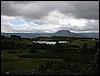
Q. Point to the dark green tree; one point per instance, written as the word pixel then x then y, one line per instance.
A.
pixel 96 45
pixel 15 37
pixel 84 48
pixel 33 49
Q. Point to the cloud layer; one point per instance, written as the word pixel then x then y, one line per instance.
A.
pixel 49 16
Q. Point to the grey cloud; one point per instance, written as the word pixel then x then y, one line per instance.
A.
pixel 90 26
pixel 89 10
pixel 38 9
pixel 82 9
pixel 38 12
pixel 33 10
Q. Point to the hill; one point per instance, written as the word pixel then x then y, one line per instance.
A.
pixel 58 33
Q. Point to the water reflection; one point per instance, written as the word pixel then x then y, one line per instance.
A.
pixel 49 42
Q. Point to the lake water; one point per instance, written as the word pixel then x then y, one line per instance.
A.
pixel 49 42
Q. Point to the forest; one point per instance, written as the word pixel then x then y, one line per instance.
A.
pixel 20 56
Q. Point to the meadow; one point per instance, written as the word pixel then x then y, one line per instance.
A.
pixel 79 57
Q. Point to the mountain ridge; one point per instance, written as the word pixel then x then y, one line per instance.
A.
pixel 58 33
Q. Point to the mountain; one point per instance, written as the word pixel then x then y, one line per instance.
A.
pixel 26 35
pixel 65 33
pixel 58 33
pixel 89 35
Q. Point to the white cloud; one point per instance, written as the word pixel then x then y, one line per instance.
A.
pixel 56 20
pixel 78 22
pixel 24 26
pixel 10 18
pixel 7 25
pixel 49 16
pixel 3 31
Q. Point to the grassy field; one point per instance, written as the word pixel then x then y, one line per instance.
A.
pixel 20 66
pixel 90 42
pixel 12 64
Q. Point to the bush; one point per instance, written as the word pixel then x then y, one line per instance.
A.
pixel 12 52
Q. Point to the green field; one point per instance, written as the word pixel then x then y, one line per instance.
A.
pixel 20 66
pixel 78 58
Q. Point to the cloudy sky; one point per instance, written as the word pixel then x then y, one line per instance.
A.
pixel 49 16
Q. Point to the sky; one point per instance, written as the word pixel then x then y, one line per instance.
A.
pixel 49 16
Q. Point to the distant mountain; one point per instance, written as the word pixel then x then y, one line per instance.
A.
pixel 65 33
pixel 26 35
pixel 58 33
pixel 70 34
pixel 90 35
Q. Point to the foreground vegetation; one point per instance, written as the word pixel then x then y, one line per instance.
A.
pixel 20 56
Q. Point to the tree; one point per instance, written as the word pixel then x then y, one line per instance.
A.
pixel 56 46
pixel 97 56
pixel 96 45
pixel 84 48
pixel 15 37
pixel 3 37
pixel 33 49
pixel 97 62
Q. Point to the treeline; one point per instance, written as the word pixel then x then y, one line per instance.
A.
pixel 61 38
pixel 14 42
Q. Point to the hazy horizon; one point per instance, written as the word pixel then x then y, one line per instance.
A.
pixel 52 32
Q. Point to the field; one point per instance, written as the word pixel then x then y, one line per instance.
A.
pixel 20 66
pixel 72 61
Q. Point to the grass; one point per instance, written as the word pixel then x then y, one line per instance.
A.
pixel 80 43
pixel 25 66
pixel 20 66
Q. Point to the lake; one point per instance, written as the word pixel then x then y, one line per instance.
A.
pixel 49 42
